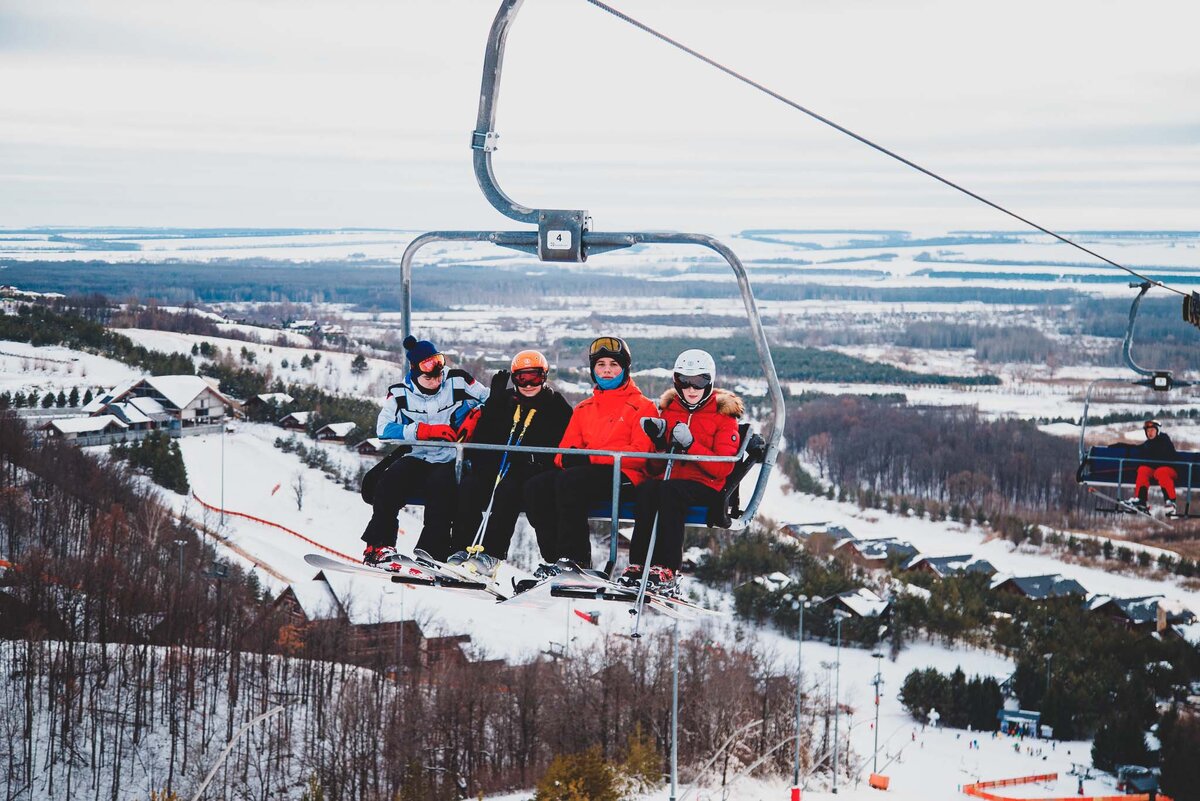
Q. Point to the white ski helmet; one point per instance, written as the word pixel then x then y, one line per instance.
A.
pixel 697 369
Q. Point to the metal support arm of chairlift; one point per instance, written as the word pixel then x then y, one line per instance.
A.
pixel 565 235
pixel 1158 380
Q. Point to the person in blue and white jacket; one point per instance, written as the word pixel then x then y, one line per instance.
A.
pixel 431 404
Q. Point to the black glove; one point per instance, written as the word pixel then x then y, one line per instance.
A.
pixel 499 382
pixel 681 438
pixel 458 372
pixel 656 430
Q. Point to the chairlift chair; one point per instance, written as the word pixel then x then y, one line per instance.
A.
pixel 566 235
pixel 1115 466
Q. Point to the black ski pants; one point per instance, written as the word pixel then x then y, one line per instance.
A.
pixel 474 493
pixel 557 503
pixel 407 479
pixel 669 501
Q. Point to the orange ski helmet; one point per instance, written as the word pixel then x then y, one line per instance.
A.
pixel 530 360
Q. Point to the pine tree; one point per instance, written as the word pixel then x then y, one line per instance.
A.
pixel 87 397
pixel 61 400
pixel 359 365
pixel 48 400
pixel 73 398
pixel 19 400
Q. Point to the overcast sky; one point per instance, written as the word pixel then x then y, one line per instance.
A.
pixel 356 113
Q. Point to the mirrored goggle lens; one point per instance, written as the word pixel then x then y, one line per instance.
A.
pixel 433 365
pixel 529 378
pixel 702 381
pixel 606 345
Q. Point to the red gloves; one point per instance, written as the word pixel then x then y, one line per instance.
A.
pixel 438 432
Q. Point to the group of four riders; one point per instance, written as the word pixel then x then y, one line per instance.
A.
pixel 556 492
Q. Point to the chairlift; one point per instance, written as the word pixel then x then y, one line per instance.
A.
pixel 566 235
pixel 1115 466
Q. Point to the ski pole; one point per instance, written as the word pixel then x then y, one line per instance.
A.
pixel 476 545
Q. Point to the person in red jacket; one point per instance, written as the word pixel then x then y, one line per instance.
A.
pixel 557 502
pixel 697 419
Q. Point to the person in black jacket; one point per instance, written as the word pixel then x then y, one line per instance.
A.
pixel 529 414
pixel 1157 450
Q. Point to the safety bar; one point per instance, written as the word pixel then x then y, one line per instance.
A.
pixel 737 524
pixel 1121 460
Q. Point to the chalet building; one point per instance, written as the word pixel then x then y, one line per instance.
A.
pixel 874 553
pixel 379 625
pixel 945 566
pixel 276 400
pixel 296 421
pixel 861 603
pixel 1152 613
pixel 373 446
pixel 1039 588
pixel 819 539
pixel 72 428
pixel 335 432
pixel 179 401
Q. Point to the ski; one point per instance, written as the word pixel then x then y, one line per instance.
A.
pixel 607 591
pixel 412 572
pixel 1123 507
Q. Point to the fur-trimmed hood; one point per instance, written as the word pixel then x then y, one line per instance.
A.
pixel 727 402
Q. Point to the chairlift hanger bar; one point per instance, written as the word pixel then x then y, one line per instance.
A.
pixel 565 236
pixel 890 153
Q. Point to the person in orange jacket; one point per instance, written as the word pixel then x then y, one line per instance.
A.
pixel 557 502
pixel 697 419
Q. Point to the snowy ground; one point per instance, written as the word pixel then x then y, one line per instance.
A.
pixel 24 367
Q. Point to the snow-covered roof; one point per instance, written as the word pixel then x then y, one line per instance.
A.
pixel 1190 632
pixel 1039 587
pixel 367 602
pixel 300 418
pixel 282 398
pixel 773 581
pixel 805 530
pixel 128 413
pixel 879 549
pixel 84 425
pixel 1143 610
pixel 862 602
pixel 104 398
pixel 316 599
pixel 180 390
pixel 952 565
pixel 338 429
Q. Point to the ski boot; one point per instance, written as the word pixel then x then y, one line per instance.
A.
pixel 1172 510
pixel 482 565
pixel 631 576
pixel 1136 505
pixel 458 558
pixel 663 581
pixel 383 557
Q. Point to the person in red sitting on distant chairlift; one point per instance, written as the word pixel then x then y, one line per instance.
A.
pixel 431 404
pixel 1157 450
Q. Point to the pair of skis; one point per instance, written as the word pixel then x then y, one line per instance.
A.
pixel 572 583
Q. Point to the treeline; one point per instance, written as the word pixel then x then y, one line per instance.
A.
pixel 359 283
pixel 948 457
pixel 737 358
pixel 67 326
pixel 991 343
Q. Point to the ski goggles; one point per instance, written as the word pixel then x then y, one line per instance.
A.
pixel 432 366
pixel 532 377
pixel 606 346
pixel 702 381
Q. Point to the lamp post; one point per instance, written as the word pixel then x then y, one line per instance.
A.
pixel 838 615
pixel 799 603
pixel 878 682
pixel 222 471
pixel 674 708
